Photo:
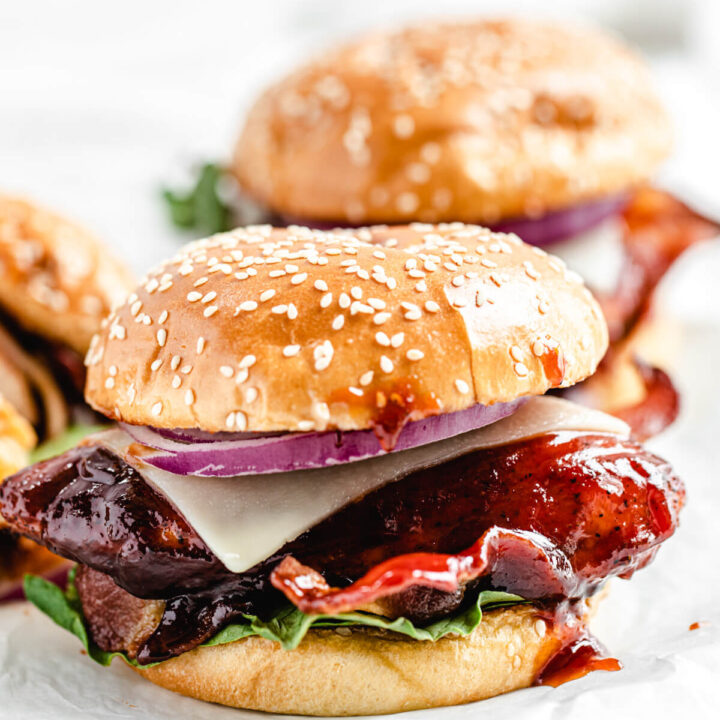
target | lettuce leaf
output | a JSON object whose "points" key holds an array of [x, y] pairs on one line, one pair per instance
{"points": [[288, 627], [66, 440], [201, 208]]}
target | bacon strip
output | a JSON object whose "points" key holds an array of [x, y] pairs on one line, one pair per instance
{"points": [[658, 230], [525, 563], [659, 407]]}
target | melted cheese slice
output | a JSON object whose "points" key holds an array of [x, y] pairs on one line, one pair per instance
{"points": [[245, 519], [597, 255]]}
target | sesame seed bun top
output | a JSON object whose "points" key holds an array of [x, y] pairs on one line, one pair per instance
{"points": [[473, 121], [294, 329], [56, 279]]}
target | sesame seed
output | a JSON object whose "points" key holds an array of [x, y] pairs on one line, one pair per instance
{"points": [[189, 397], [241, 421], [458, 280], [292, 311], [186, 369], [538, 348], [462, 387], [376, 303], [291, 350], [421, 286], [194, 296], [516, 353], [356, 391], [485, 262], [338, 322], [386, 364], [200, 345], [397, 340], [251, 395], [521, 369], [161, 337], [326, 300], [279, 309], [320, 285], [403, 126], [297, 279], [413, 315], [210, 310], [276, 273], [382, 339], [155, 364], [200, 281], [248, 361], [344, 301], [113, 370], [226, 371], [432, 306], [267, 295], [381, 318], [415, 354], [156, 409], [109, 383], [230, 420], [366, 377], [322, 411], [242, 376], [163, 317], [176, 381], [248, 305], [208, 297]]}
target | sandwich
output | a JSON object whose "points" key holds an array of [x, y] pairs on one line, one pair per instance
{"points": [[549, 131], [337, 486], [56, 284]]}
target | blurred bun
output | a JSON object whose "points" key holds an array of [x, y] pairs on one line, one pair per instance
{"points": [[17, 438], [56, 279], [292, 329], [473, 121]]}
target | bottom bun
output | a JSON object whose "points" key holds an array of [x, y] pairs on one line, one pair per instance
{"points": [[366, 672]]}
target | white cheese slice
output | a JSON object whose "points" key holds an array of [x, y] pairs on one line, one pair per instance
{"points": [[245, 519], [597, 255]]}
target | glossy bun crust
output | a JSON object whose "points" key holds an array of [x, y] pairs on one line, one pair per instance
{"points": [[365, 672], [472, 121], [267, 329], [56, 279]]}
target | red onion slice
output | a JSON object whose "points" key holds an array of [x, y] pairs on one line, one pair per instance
{"points": [[562, 224], [273, 453], [549, 228]]}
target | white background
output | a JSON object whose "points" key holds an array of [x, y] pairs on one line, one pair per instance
{"points": [[102, 103]]}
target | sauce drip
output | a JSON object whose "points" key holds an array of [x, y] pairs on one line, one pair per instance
{"points": [[553, 362], [580, 652], [580, 657]]}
